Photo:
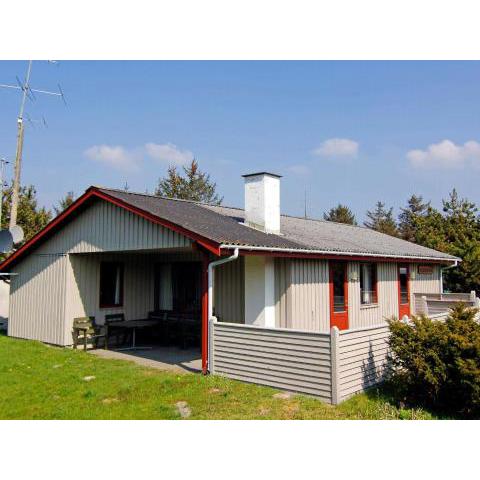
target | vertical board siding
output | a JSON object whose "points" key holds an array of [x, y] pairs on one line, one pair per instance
{"points": [[229, 292], [282, 292], [290, 360], [426, 283], [37, 299], [301, 294], [105, 228], [387, 307], [363, 359]]}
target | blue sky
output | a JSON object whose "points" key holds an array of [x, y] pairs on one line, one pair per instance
{"points": [[350, 132]]}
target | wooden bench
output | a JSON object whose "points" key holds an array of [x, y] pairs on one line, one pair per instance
{"points": [[85, 329]]}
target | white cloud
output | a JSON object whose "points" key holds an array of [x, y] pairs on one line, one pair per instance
{"points": [[113, 156], [446, 154], [122, 158], [337, 147], [168, 153], [299, 169]]}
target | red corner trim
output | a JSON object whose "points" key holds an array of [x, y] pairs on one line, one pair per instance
{"points": [[93, 192]]}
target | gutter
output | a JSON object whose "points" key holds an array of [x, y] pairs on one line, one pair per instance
{"points": [[441, 273], [211, 318], [331, 252]]}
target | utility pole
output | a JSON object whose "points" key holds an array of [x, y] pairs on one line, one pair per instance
{"points": [[27, 92], [18, 155]]}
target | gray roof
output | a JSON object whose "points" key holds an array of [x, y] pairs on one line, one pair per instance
{"points": [[224, 225]]}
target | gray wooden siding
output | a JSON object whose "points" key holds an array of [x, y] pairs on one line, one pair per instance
{"points": [[303, 302], [286, 359], [104, 227], [424, 283], [302, 294], [387, 307], [362, 359], [37, 299], [229, 292]]}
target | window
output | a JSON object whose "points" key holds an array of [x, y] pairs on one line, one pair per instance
{"points": [[177, 287], [368, 283], [338, 273], [111, 284], [403, 284]]}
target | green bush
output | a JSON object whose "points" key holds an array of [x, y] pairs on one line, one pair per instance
{"points": [[437, 363]]}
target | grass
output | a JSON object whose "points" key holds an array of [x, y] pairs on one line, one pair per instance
{"points": [[42, 382]]}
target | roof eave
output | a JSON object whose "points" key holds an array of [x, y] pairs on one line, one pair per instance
{"points": [[329, 254]]}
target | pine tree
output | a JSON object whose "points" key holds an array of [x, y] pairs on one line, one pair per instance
{"points": [[408, 218], [341, 214], [455, 230], [381, 220], [64, 203], [31, 217], [462, 234], [193, 185]]}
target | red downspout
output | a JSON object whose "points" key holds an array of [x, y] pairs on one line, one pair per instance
{"points": [[205, 262]]}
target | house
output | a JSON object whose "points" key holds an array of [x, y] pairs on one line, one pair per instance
{"points": [[259, 275]]}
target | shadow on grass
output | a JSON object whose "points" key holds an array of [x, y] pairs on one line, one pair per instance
{"points": [[390, 392]]}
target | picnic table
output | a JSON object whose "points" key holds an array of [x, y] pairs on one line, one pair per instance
{"points": [[134, 325]]}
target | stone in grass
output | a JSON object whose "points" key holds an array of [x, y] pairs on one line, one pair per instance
{"points": [[284, 395], [89, 378], [183, 409]]}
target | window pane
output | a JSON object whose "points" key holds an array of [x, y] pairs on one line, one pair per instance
{"points": [[111, 284], [368, 282], [338, 279], [403, 278]]}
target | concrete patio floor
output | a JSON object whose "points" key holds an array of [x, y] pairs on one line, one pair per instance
{"points": [[164, 358]]}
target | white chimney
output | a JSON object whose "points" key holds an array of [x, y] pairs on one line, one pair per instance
{"points": [[262, 201]]}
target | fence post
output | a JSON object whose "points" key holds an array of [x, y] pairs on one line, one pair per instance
{"points": [[334, 354], [211, 344]]}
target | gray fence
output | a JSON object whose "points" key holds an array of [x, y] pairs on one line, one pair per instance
{"points": [[362, 359], [331, 366], [438, 305], [288, 359]]}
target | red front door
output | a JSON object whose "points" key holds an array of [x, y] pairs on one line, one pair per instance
{"points": [[338, 295], [403, 291]]}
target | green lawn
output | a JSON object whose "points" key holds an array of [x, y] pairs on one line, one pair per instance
{"points": [[41, 382]]}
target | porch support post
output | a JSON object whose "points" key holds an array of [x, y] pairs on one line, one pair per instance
{"points": [[204, 294]]}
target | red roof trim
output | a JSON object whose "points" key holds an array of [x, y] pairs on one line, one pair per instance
{"points": [[94, 192]]}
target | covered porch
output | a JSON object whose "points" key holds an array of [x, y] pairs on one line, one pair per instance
{"points": [[146, 304]]}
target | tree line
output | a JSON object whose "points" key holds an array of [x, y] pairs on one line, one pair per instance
{"points": [[453, 229]]}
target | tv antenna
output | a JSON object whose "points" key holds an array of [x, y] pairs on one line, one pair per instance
{"points": [[305, 203], [26, 92]]}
